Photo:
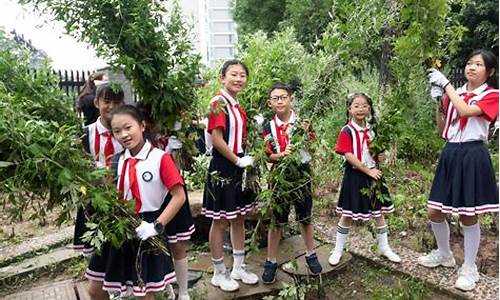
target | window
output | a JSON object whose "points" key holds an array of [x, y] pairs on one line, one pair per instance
{"points": [[222, 26], [219, 52], [219, 3], [221, 14], [222, 39]]}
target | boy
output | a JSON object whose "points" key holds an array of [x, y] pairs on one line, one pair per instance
{"points": [[277, 135]]}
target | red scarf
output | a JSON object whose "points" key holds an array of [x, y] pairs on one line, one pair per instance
{"points": [[109, 149], [133, 183]]}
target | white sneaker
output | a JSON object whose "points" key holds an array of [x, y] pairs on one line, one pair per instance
{"points": [[224, 282], [389, 254], [334, 257], [435, 259], [244, 275], [467, 278]]}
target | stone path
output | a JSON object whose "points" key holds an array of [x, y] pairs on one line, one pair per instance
{"points": [[360, 244]]}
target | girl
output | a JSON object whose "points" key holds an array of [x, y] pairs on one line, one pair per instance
{"points": [[360, 172], [85, 100], [464, 183], [98, 141], [147, 176], [222, 198], [182, 226]]}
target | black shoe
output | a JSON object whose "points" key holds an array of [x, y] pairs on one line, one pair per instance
{"points": [[313, 264], [270, 269]]}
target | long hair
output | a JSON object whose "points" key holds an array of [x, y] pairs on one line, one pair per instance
{"points": [[89, 88]]}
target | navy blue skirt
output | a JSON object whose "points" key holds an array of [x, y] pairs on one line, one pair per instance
{"points": [[80, 229], [464, 183], [181, 227], [223, 197], [358, 200], [133, 269]]}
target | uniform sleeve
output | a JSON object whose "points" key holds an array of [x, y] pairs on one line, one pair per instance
{"points": [[344, 143], [489, 106], [168, 172], [217, 118]]}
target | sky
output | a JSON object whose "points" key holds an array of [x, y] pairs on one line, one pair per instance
{"points": [[65, 52]]}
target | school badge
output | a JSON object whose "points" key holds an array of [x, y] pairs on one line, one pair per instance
{"points": [[147, 176]]}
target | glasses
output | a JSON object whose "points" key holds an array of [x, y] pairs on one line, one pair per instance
{"points": [[277, 98]]}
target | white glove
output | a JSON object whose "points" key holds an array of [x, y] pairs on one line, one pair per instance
{"points": [[245, 161], [177, 126], [437, 78], [436, 92], [305, 157], [259, 119], [173, 144], [146, 230]]}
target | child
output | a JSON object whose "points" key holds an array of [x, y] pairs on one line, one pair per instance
{"points": [[98, 141], [180, 229], [149, 177], [360, 172], [85, 100], [277, 134], [464, 183], [222, 198]]}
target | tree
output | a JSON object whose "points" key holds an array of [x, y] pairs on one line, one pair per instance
{"points": [[254, 15], [481, 20]]}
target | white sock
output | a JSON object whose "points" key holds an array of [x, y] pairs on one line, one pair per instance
{"points": [[309, 253], [442, 234], [383, 242], [219, 266], [472, 237], [181, 272], [342, 234], [238, 258], [273, 260]]}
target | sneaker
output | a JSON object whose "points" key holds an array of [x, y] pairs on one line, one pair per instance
{"points": [[241, 273], [224, 282], [269, 275], [334, 258], [467, 278], [389, 254], [313, 264], [435, 259]]}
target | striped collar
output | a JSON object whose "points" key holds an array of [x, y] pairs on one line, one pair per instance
{"points": [[463, 89], [228, 97], [100, 127], [359, 128], [143, 154]]}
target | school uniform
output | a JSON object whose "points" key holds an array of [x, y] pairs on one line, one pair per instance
{"points": [[182, 225], [223, 196], [277, 135], [353, 202], [98, 141], [464, 182], [145, 179]]}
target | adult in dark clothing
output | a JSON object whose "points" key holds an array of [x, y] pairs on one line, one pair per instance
{"points": [[85, 100]]}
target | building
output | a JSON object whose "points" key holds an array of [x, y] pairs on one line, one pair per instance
{"points": [[214, 28]]}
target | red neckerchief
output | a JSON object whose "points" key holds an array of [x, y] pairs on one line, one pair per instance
{"points": [[109, 149], [281, 134]]}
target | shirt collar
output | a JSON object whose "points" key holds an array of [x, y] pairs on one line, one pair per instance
{"points": [[463, 89], [143, 154], [357, 127], [228, 97], [291, 120], [100, 127]]}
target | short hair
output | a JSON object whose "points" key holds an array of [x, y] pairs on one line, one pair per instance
{"points": [[280, 86]]}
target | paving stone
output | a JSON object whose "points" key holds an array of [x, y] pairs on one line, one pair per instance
{"points": [[63, 290], [35, 244], [299, 267], [36, 264], [360, 244], [203, 262], [289, 249], [205, 289]]}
